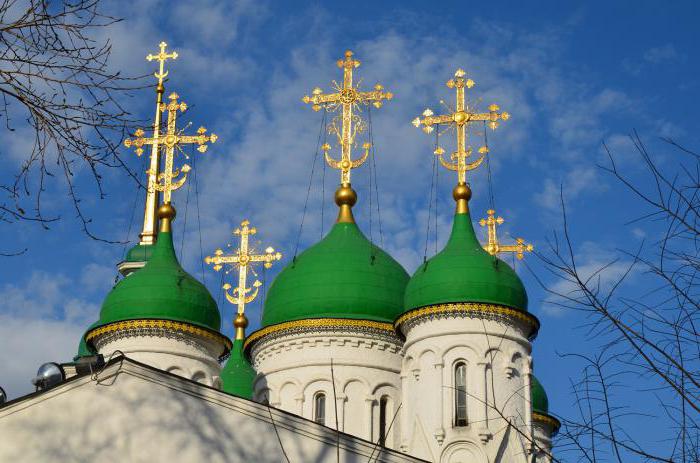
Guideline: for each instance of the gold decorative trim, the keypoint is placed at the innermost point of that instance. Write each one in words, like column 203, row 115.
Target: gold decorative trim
column 472, row 307
column 159, row 324
column 317, row 323
column 550, row 420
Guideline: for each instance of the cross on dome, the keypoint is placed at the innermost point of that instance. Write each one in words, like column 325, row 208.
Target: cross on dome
column 460, row 119
column 240, row 259
column 493, row 246
column 348, row 124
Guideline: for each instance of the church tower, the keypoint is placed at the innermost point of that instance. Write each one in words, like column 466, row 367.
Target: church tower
column 327, row 349
column 158, row 314
column 466, row 374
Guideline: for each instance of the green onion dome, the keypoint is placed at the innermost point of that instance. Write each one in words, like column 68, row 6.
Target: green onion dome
column 139, row 253
column 161, row 290
column 238, row 375
column 464, row 272
column 540, row 406
column 343, row 276
column 540, row 403
column 85, row 349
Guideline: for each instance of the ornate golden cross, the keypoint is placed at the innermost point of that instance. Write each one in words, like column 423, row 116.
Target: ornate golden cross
column 460, row 118
column 493, row 247
column 171, row 179
column 347, row 97
column 243, row 257
column 161, row 57
column 148, row 232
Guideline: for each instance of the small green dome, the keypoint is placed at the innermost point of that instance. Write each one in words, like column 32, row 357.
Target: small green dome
column 161, row 290
column 139, row 253
column 238, row 375
column 464, row 272
column 342, row 276
column 85, row 349
column 540, row 403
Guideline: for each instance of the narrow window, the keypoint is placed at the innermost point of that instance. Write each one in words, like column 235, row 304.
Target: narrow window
column 460, row 388
column 320, row 408
column 382, row 420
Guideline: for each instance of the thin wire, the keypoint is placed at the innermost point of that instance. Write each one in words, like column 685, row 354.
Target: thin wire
column 311, row 177
column 262, row 296
column 492, row 201
column 335, row 404
column 430, row 197
column 323, row 184
column 376, row 444
column 184, row 223
column 131, row 220
column 279, row 439
column 437, row 184
column 199, row 221
column 376, row 182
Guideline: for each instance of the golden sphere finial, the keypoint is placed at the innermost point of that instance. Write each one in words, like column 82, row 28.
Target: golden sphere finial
column 345, row 198
column 166, row 214
column 241, row 321
column 462, row 194
column 166, row 211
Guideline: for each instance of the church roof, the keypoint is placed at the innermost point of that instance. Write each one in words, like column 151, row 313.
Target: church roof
column 238, row 375
column 161, row 290
column 139, row 253
column 464, row 272
column 342, row 276
column 540, row 402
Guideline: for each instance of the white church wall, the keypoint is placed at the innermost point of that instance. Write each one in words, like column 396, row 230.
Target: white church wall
column 185, row 355
column 493, row 352
column 137, row 414
column 294, row 368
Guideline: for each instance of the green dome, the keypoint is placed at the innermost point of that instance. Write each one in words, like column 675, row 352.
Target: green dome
column 238, row 375
column 139, row 253
column 540, row 403
column 84, row 349
column 342, row 276
column 464, row 272
column 161, row 290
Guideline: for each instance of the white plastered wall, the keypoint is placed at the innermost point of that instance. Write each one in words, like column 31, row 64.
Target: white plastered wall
column 496, row 352
column 187, row 355
column 295, row 367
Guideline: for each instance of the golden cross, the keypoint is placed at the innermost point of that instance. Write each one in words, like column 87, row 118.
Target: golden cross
column 460, row 118
column 171, row 179
column 161, row 57
column 493, row 247
column 243, row 257
column 148, row 232
column 348, row 98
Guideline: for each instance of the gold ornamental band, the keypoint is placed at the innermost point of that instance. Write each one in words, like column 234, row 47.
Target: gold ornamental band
column 467, row 307
column 317, row 323
column 159, row 324
column 546, row 419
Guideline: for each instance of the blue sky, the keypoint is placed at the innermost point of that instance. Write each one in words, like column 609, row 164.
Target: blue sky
column 570, row 76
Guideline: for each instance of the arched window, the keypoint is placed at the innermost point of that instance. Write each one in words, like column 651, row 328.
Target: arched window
column 383, row 420
column 460, row 389
column 320, row 408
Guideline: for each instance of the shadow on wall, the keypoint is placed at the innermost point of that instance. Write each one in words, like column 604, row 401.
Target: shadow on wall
column 125, row 418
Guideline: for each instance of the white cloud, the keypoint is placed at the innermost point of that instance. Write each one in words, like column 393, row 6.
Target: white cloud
column 656, row 55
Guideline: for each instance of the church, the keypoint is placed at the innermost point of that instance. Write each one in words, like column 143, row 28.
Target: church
column 355, row 360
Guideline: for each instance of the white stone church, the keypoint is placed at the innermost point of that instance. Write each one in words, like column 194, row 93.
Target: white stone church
column 355, row 360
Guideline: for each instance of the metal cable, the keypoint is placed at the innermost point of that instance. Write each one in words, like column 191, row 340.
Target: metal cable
column 308, row 191
column 199, row 220
column 430, row 197
column 184, row 223
column 376, row 182
column 488, row 170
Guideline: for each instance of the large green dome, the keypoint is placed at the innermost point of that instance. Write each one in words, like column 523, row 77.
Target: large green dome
column 540, row 402
column 342, row 276
column 464, row 272
column 161, row 290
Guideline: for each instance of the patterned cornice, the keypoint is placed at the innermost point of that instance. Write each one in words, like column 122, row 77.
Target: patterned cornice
column 468, row 309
